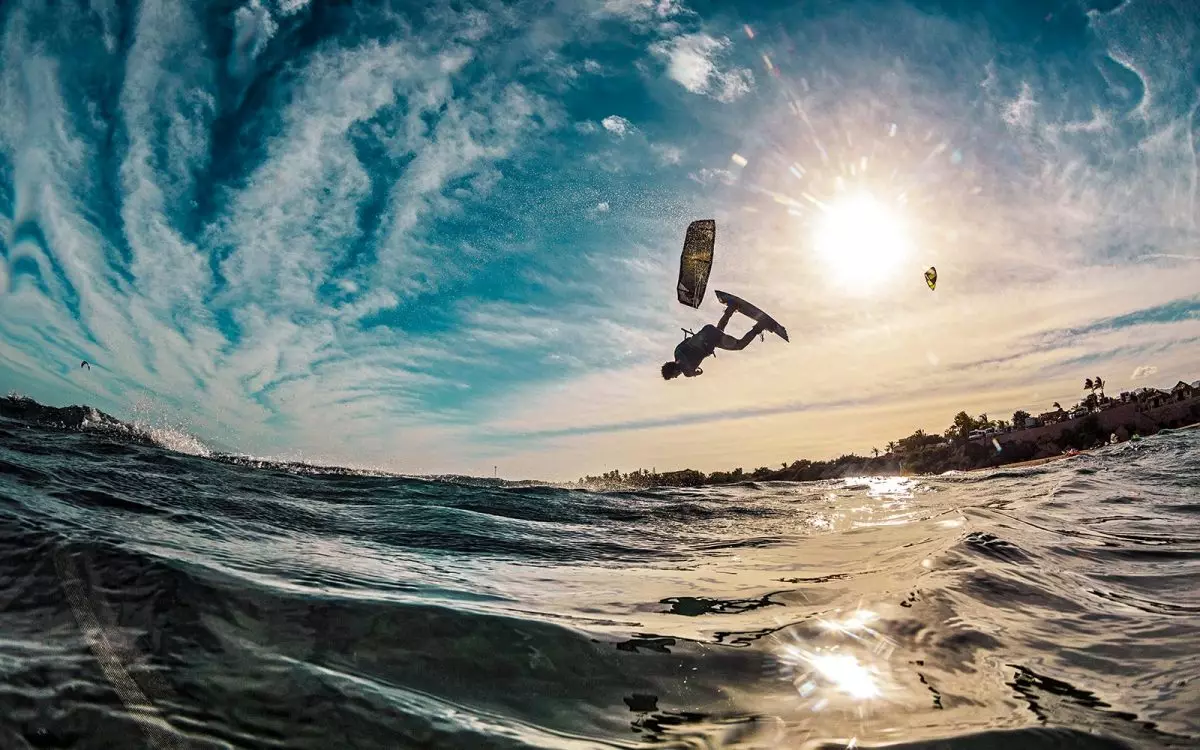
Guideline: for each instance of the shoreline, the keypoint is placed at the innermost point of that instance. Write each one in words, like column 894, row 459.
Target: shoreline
column 1061, row 456
column 1032, row 461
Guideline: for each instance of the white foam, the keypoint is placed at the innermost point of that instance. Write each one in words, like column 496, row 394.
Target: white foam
column 174, row 440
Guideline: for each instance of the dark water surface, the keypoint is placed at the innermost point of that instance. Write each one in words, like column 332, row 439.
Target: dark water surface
column 150, row 599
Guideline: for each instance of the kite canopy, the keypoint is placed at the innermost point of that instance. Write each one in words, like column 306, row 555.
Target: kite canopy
column 84, row 363
column 696, row 261
column 931, row 278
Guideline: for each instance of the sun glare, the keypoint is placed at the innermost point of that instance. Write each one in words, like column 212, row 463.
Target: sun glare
column 847, row 674
column 862, row 241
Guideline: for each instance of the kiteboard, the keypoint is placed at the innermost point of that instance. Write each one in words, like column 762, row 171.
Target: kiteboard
column 696, row 261
column 750, row 311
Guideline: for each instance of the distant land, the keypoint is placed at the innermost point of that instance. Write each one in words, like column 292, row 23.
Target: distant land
column 969, row 443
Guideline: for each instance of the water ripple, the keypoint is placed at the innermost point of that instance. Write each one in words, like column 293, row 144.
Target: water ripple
column 162, row 600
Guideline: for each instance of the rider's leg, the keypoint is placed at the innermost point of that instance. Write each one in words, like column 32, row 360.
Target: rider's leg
column 729, row 342
column 729, row 311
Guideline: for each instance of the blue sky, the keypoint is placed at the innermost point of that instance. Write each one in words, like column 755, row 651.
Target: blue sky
column 443, row 236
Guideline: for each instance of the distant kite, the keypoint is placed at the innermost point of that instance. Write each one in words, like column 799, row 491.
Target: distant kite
column 931, row 278
column 84, row 363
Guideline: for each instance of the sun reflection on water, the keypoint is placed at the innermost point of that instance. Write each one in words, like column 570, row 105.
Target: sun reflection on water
column 855, row 622
column 895, row 487
column 847, row 674
column 844, row 666
column 818, row 671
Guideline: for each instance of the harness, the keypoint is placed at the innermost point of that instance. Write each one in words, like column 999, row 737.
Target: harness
column 762, row 336
column 693, row 333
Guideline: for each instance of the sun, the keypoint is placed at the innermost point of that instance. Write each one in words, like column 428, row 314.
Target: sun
column 862, row 241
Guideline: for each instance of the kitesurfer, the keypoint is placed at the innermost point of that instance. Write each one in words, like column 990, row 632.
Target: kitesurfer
column 704, row 342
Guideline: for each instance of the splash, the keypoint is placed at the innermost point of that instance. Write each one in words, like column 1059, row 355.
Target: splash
column 150, row 420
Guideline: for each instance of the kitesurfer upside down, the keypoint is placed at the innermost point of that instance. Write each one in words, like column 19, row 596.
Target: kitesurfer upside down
column 704, row 342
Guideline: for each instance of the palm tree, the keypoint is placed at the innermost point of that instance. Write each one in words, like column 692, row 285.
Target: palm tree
column 876, row 452
column 1099, row 387
column 1088, row 385
column 1058, row 406
column 891, row 447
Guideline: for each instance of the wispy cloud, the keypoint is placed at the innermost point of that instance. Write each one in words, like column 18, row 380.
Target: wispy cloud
column 274, row 331
column 1141, row 372
column 1019, row 112
column 253, row 27
column 643, row 11
column 667, row 154
column 692, row 62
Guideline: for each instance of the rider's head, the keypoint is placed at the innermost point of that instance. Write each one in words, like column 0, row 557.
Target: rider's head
column 670, row 370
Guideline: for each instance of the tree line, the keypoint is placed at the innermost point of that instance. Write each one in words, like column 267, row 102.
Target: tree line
column 918, row 453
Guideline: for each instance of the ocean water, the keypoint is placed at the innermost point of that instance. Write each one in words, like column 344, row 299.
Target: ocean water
column 152, row 599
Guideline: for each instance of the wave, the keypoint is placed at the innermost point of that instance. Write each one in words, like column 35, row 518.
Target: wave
column 160, row 599
column 90, row 419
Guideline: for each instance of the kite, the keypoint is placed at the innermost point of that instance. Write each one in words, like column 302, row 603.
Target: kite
column 696, row 261
column 931, row 278
column 84, row 363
